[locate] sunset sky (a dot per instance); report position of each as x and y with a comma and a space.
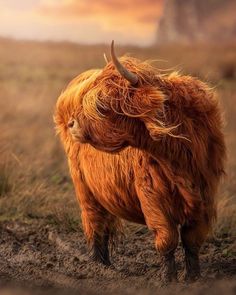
85, 21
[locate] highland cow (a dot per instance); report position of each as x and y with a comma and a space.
147, 148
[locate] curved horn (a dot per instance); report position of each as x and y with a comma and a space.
105, 57
131, 77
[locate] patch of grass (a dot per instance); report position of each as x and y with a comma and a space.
226, 222
61, 217
34, 193
5, 180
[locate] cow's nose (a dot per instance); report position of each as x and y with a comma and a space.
71, 123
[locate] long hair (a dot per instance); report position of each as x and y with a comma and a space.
175, 118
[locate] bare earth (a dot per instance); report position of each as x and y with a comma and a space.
43, 257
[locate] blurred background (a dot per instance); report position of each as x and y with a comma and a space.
46, 43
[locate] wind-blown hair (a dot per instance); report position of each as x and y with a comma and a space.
111, 92
171, 127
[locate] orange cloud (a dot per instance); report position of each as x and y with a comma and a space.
113, 14
86, 21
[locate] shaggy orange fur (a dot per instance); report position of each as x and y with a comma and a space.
151, 154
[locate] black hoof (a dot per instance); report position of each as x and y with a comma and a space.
192, 277
168, 272
101, 260
105, 263
168, 278
99, 252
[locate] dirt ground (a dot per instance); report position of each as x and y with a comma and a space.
47, 258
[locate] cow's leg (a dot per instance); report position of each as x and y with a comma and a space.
156, 200
192, 238
99, 249
166, 233
99, 225
100, 228
166, 243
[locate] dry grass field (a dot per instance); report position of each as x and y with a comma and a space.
36, 194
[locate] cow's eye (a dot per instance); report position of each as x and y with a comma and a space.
71, 123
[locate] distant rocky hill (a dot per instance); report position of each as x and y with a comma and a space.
185, 21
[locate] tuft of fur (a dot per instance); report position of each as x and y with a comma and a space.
166, 150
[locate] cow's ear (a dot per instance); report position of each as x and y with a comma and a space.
142, 101
147, 104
